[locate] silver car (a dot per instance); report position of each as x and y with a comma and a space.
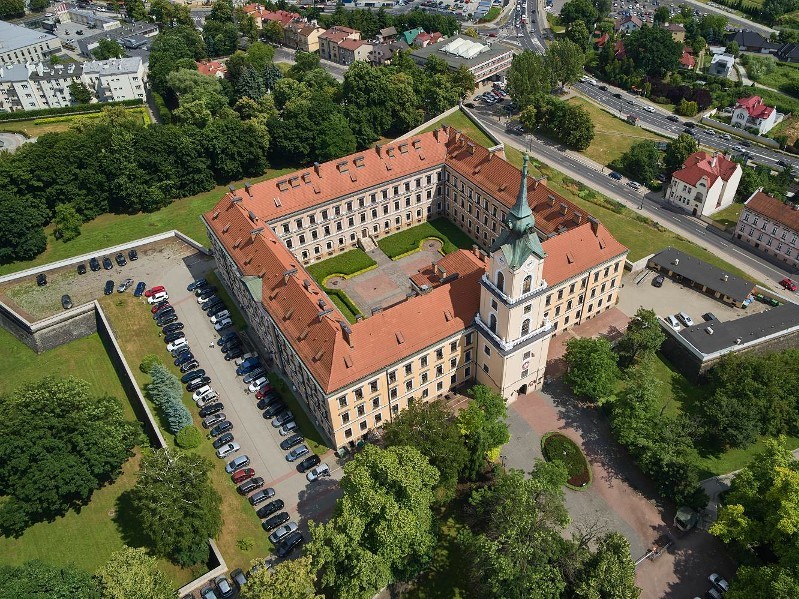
214, 419
297, 453
282, 532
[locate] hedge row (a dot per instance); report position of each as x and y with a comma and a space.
24, 115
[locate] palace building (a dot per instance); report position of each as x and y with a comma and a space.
539, 266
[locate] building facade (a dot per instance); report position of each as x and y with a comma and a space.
770, 226
303, 36
482, 315
352, 50
752, 113
330, 41
486, 62
23, 45
705, 184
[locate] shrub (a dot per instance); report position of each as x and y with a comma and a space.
24, 115
166, 392
189, 437
686, 108
561, 448
148, 362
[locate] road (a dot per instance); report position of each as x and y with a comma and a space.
336, 70
634, 105
580, 168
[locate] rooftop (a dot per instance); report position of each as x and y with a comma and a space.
703, 273
113, 65
461, 51
774, 209
701, 165
15, 37
755, 107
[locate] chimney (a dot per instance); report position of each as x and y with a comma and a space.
725, 278
248, 189
346, 332
594, 225
714, 159
676, 262
551, 200
317, 169
379, 148
563, 209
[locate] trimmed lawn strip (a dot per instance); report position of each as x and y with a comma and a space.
113, 229
460, 121
729, 216
558, 447
409, 241
232, 307
138, 336
312, 437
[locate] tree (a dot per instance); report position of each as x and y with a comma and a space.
430, 428
643, 337
678, 150
592, 367
661, 15
108, 49
166, 392
10, 9
578, 33
67, 222
220, 38
642, 162
136, 10
176, 506
583, 11
188, 437
698, 45
272, 32
687, 108
712, 27
236, 149
382, 530
293, 579
608, 573
260, 55
572, 125
528, 77
653, 50
37, 580
732, 48
764, 582
79, 93
148, 362
528, 118
58, 445
132, 574
38, 5
565, 61
482, 424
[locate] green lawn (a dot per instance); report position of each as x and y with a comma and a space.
312, 437
784, 76
113, 229
346, 264
460, 121
58, 123
232, 306
729, 216
491, 15
407, 241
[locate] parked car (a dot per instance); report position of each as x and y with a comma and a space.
223, 440
293, 440
236, 463
233, 354
154, 290
197, 383
94, 264
673, 322
634, 185
189, 366
213, 420
109, 287
296, 453
201, 392
66, 302
283, 532
270, 508
257, 383
788, 284
176, 344
708, 316
224, 587
615, 175
133, 255
195, 284
216, 308
239, 476
248, 486
685, 319
658, 281
124, 285
211, 409
221, 428
289, 428
107, 264
180, 350
267, 401
158, 297
223, 324
230, 345
238, 578
139, 289
215, 303
171, 328
208, 593
228, 337
81, 269
712, 593
166, 312
120, 258
206, 298
206, 399
159, 306
289, 544
248, 366
719, 583
275, 521
245, 357
174, 336
264, 391
226, 450
204, 290
274, 409
190, 376
282, 418
254, 375
261, 496
308, 463
169, 318
318, 472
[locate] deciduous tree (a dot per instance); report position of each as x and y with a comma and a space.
67, 222
292, 579
678, 150
583, 11
79, 93
37, 580
642, 162
565, 61
528, 76
609, 572
132, 574
653, 50
482, 424
108, 49
592, 367
643, 336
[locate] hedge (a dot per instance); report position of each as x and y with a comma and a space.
189, 437
408, 241
24, 115
558, 447
347, 264
161, 110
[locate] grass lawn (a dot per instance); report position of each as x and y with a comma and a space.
729, 216
491, 15
407, 241
612, 136
785, 74
58, 123
137, 336
312, 437
113, 229
460, 121
232, 306
348, 263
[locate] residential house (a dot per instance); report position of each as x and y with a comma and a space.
329, 41
387, 35
601, 40
409, 37
260, 14
677, 31
618, 50
302, 35
627, 24
788, 53
687, 60
751, 41
771, 226
425, 39
751, 112
384, 53
705, 184
212, 68
721, 65
352, 50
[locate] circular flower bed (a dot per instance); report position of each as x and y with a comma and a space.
556, 446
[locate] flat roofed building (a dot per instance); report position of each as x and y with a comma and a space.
770, 226
484, 61
489, 318
22, 45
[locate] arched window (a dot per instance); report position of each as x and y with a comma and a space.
501, 281
528, 282
525, 327
492, 323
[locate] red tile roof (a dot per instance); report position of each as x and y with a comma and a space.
774, 209
755, 107
577, 251
352, 45
211, 68
600, 41
283, 17
702, 164
451, 264
618, 49
687, 59
338, 33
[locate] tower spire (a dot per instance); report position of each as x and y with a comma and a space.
520, 217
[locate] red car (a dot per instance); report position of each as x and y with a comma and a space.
788, 284
160, 306
239, 476
154, 290
267, 388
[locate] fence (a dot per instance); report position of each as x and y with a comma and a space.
707, 120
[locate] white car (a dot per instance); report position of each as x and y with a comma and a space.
206, 399
226, 450
685, 319
257, 384
220, 316
199, 393
282, 532
176, 344
223, 324
318, 472
288, 429
649, 108
673, 322
158, 297
204, 298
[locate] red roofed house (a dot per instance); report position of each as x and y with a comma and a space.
425, 39
618, 50
627, 24
484, 315
600, 41
705, 184
330, 40
687, 60
351, 50
771, 226
212, 68
752, 112
260, 14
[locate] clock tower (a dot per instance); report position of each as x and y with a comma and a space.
513, 335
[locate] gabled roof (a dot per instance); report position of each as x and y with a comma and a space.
687, 59
388, 32
704, 273
701, 165
352, 45
212, 68
774, 209
338, 33
755, 107
579, 250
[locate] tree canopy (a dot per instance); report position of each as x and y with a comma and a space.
132, 574
641, 162
482, 424
290, 579
643, 337
37, 580
653, 50
592, 367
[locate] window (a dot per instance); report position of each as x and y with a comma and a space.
493, 304
528, 308
486, 350
363, 425
359, 393
409, 385
342, 401
439, 354
467, 372
468, 338
375, 402
485, 368
492, 323
439, 370
378, 419
348, 433
528, 282
525, 327
373, 386
361, 410
423, 361
424, 377
345, 418
393, 393
453, 346
439, 385
392, 376
453, 379
501, 281
408, 369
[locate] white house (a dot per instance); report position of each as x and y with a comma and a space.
721, 65
705, 184
752, 112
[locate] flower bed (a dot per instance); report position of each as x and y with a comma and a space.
556, 446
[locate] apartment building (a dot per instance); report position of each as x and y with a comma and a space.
770, 226
705, 184
352, 50
330, 42
303, 36
23, 45
484, 315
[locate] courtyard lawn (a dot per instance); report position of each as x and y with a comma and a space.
729, 216
408, 241
113, 229
346, 264
59, 123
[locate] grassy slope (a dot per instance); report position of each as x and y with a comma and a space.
729, 216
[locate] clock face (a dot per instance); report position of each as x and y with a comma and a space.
501, 260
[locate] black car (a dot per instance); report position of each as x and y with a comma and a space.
231, 345
201, 291
211, 409
216, 309
184, 358
163, 311
190, 376
673, 118
248, 486
140, 287
81, 269
195, 284
293, 440
308, 463
270, 508
107, 264
658, 281
66, 302
120, 258
211, 304
171, 328
619, 96
179, 351
275, 521
274, 409
221, 428
289, 544
234, 353
168, 319
41, 280
133, 255
227, 337
94, 264
267, 401
223, 440
197, 383
708, 316
174, 336
746, 144
109, 287
604, 88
